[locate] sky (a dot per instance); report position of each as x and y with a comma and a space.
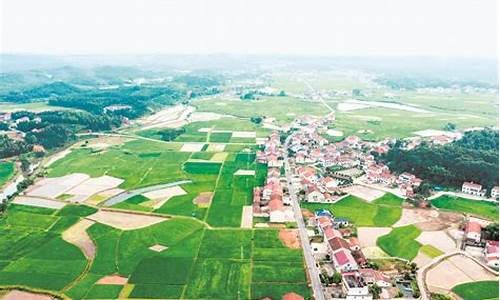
331, 27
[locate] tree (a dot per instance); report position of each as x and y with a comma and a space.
336, 278
256, 120
282, 93
375, 290
450, 127
490, 232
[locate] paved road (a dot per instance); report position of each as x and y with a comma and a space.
306, 247
129, 194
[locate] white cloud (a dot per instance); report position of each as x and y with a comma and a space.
331, 27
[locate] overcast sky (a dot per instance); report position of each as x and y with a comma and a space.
330, 27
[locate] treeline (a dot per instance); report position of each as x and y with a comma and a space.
415, 82
137, 99
473, 158
53, 129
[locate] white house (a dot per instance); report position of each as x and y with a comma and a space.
472, 188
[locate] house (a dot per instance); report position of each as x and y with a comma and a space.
356, 287
354, 244
314, 195
343, 261
292, 296
473, 232
375, 277
472, 188
495, 192
22, 119
278, 213
491, 253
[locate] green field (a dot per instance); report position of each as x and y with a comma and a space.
34, 107
400, 242
199, 263
6, 171
481, 208
479, 290
431, 251
32, 252
362, 213
284, 109
139, 163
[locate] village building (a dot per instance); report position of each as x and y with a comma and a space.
495, 192
472, 188
473, 232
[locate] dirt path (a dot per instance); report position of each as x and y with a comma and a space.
78, 236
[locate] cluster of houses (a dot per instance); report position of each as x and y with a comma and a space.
269, 200
347, 258
489, 248
475, 189
324, 169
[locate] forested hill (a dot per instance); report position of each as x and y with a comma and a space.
473, 158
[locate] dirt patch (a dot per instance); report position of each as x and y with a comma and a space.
439, 239
57, 157
165, 193
368, 236
113, 280
203, 199
158, 248
192, 147
77, 235
23, 295
241, 172
244, 134
421, 259
290, 237
428, 219
39, 202
364, 192
247, 217
125, 221
416, 215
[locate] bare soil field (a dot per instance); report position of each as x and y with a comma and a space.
77, 235
53, 187
455, 270
113, 280
244, 173
203, 199
192, 147
439, 239
244, 134
290, 237
39, 202
428, 219
125, 221
363, 192
247, 217
95, 185
368, 236
421, 259
158, 248
23, 295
